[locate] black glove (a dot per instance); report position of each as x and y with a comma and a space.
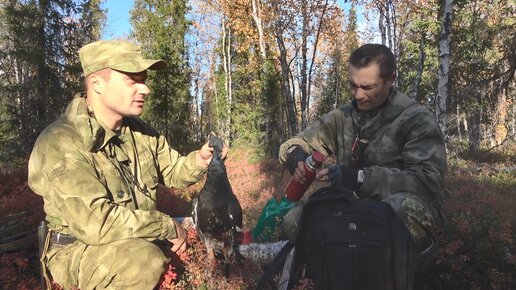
294, 155
344, 176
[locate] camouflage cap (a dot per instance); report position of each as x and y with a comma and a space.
116, 54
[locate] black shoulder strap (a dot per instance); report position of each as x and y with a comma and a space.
324, 196
273, 267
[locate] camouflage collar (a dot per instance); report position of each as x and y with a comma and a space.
94, 133
398, 102
367, 123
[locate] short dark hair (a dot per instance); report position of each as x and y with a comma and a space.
378, 53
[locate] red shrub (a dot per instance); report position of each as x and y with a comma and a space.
478, 238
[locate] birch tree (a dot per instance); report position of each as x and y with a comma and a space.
444, 64
258, 20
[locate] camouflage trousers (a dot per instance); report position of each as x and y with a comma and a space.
419, 217
124, 264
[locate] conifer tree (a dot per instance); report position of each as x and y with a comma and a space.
39, 63
160, 26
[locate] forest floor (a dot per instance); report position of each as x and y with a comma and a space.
477, 242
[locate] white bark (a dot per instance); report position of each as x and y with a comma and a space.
444, 65
388, 23
229, 87
257, 17
226, 46
458, 119
261, 253
381, 26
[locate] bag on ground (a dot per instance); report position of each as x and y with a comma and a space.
348, 244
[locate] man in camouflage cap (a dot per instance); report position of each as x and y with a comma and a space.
98, 168
386, 145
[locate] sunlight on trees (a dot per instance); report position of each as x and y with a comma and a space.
259, 71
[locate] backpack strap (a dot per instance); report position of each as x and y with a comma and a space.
273, 267
287, 273
326, 195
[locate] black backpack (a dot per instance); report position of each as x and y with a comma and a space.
349, 244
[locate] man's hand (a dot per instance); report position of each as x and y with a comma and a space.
178, 243
205, 154
340, 175
295, 162
299, 172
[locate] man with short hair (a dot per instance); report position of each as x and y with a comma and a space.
387, 146
98, 168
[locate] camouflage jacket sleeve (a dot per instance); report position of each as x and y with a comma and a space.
77, 201
174, 170
329, 134
177, 171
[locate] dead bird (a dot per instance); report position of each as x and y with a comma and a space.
217, 214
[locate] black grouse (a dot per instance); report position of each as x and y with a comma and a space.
217, 214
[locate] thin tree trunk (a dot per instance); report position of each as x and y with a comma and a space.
388, 23
444, 65
314, 50
304, 62
420, 65
221, 121
285, 79
167, 118
474, 132
195, 107
257, 17
501, 131
229, 110
397, 48
459, 130
210, 121
465, 124
338, 82
381, 25
226, 47
42, 71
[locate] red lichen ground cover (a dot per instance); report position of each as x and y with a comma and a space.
477, 240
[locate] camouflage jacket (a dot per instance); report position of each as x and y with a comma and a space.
405, 151
101, 186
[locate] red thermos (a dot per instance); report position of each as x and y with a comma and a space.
295, 190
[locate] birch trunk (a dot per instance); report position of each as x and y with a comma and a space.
210, 122
226, 45
388, 23
459, 130
381, 26
304, 62
196, 126
257, 17
444, 65
314, 51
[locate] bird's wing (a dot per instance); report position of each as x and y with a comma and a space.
235, 215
